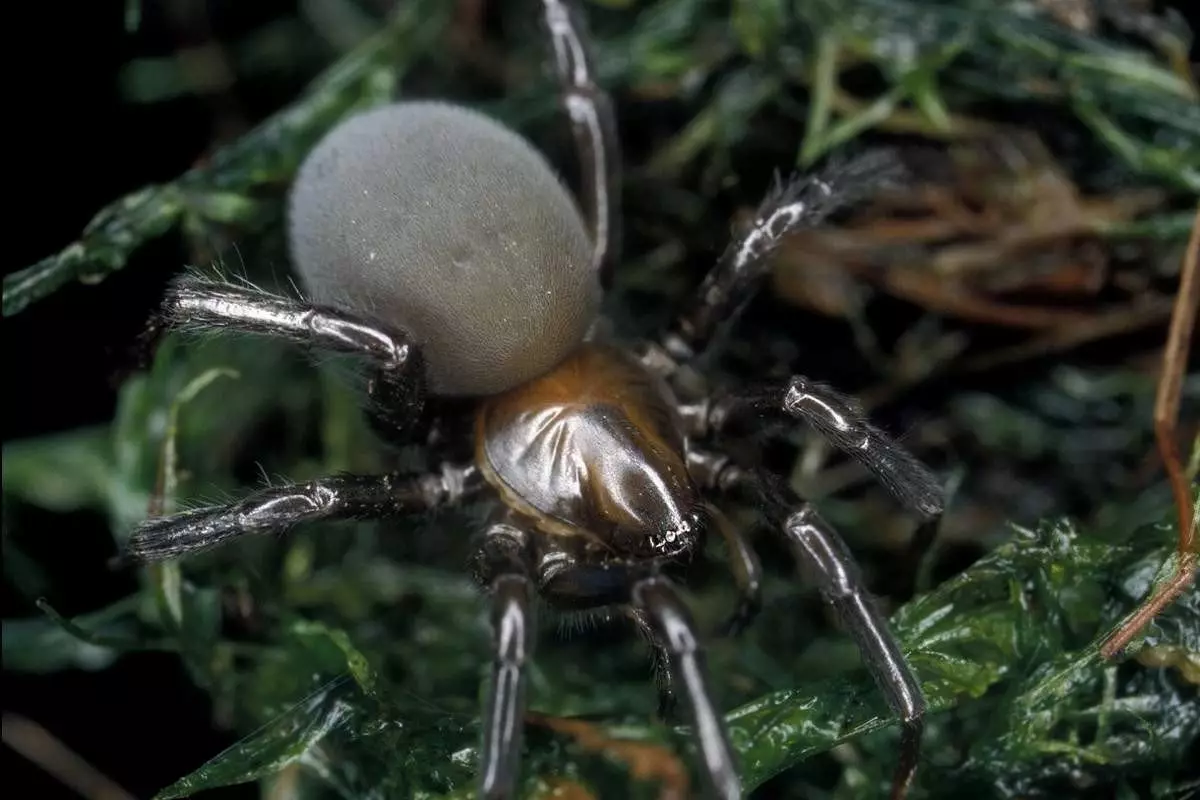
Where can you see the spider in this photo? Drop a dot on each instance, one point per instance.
(442, 250)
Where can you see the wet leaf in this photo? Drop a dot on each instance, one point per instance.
(986, 637)
(284, 741)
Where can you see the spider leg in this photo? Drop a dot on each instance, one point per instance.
(277, 508)
(652, 597)
(747, 574)
(594, 126)
(502, 565)
(842, 422)
(827, 562)
(802, 202)
(397, 384)
(673, 624)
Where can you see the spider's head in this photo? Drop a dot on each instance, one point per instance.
(439, 220)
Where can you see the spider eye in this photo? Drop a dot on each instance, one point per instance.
(437, 219)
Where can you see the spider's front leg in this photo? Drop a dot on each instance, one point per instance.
(826, 561)
(278, 508)
(397, 383)
(654, 603)
(839, 419)
(502, 565)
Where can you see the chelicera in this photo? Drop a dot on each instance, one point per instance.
(441, 249)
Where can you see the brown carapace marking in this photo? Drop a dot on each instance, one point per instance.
(592, 449)
(646, 761)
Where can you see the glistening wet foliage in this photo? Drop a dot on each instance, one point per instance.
(1004, 319)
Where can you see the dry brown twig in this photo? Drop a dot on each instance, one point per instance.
(42, 748)
(1008, 220)
(1166, 427)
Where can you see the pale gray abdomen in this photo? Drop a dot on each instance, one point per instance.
(438, 219)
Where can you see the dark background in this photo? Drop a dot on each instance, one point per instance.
(78, 146)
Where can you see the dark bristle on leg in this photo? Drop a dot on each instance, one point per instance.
(276, 509)
(594, 126)
(502, 567)
(841, 420)
(799, 203)
(827, 563)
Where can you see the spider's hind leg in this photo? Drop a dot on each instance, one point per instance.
(594, 125)
(793, 205)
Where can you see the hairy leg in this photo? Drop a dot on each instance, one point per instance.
(594, 126)
(664, 679)
(396, 385)
(802, 202)
(839, 419)
(275, 509)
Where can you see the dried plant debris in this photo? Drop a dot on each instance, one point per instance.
(1004, 240)
(1166, 432)
(1007, 220)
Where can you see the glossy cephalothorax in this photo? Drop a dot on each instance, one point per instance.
(594, 451)
(440, 249)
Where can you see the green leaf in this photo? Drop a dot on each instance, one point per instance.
(355, 739)
(91, 642)
(63, 472)
(264, 158)
(286, 740)
(990, 636)
(360, 669)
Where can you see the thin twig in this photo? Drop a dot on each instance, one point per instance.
(41, 747)
(1166, 427)
(1111, 323)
